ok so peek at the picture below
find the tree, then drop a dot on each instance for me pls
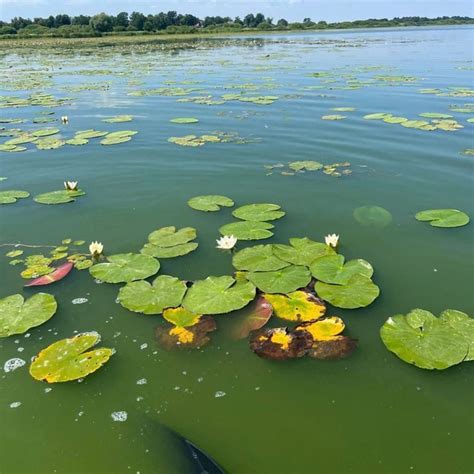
(102, 22)
(259, 18)
(61, 20)
(282, 23)
(121, 19)
(249, 20)
(18, 23)
(307, 20)
(82, 20)
(137, 20)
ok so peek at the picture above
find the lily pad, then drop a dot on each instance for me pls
(324, 328)
(58, 197)
(118, 119)
(248, 230)
(297, 306)
(11, 196)
(285, 280)
(254, 317)
(184, 120)
(281, 343)
(464, 325)
(169, 236)
(192, 337)
(373, 216)
(421, 339)
(87, 134)
(258, 212)
(77, 141)
(181, 317)
(259, 258)
(360, 291)
(142, 297)
(443, 217)
(18, 316)
(305, 165)
(67, 360)
(217, 295)
(210, 203)
(331, 269)
(114, 141)
(302, 251)
(168, 252)
(125, 267)
(45, 132)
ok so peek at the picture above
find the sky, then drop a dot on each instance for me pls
(293, 10)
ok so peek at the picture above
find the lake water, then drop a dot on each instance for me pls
(369, 413)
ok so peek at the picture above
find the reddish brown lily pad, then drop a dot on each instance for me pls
(255, 317)
(337, 347)
(52, 277)
(281, 343)
(172, 337)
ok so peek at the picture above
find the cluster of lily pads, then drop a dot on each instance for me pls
(438, 121)
(335, 170)
(60, 196)
(46, 139)
(215, 137)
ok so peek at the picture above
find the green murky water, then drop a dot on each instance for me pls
(370, 413)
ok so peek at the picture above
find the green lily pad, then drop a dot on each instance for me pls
(14, 253)
(360, 291)
(331, 269)
(333, 117)
(377, 116)
(45, 132)
(248, 230)
(464, 325)
(258, 212)
(49, 143)
(285, 280)
(302, 251)
(184, 120)
(18, 316)
(421, 339)
(77, 141)
(443, 217)
(217, 295)
(11, 196)
(67, 360)
(125, 267)
(210, 203)
(142, 297)
(168, 252)
(58, 197)
(181, 317)
(435, 115)
(114, 141)
(120, 134)
(6, 147)
(118, 119)
(169, 236)
(305, 165)
(87, 134)
(259, 258)
(373, 216)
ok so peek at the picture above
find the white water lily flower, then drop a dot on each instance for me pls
(332, 240)
(96, 248)
(64, 119)
(70, 185)
(227, 242)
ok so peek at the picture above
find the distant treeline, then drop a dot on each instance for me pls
(172, 22)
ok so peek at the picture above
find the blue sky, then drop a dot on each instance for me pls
(331, 10)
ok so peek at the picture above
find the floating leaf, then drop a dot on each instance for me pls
(323, 329)
(142, 297)
(209, 203)
(14, 253)
(464, 325)
(281, 281)
(169, 236)
(184, 120)
(67, 360)
(77, 141)
(181, 317)
(443, 217)
(11, 196)
(258, 212)
(421, 339)
(280, 343)
(331, 269)
(18, 316)
(435, 115)
(168, 252)
(58, 197)
(256, 315)
(333, 117)
(191, 337)
(302, 251)
(125, 267)
(360, 291)
(259, 258)
(114, 141)
(87, 134)
(217, 295)
(305, 165)
(248, 230)
(118, 119)
(52, 277)
(297, 306)
(373, 216)
(44, 132)
(83, 264)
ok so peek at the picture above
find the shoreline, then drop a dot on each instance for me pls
(115, 39)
